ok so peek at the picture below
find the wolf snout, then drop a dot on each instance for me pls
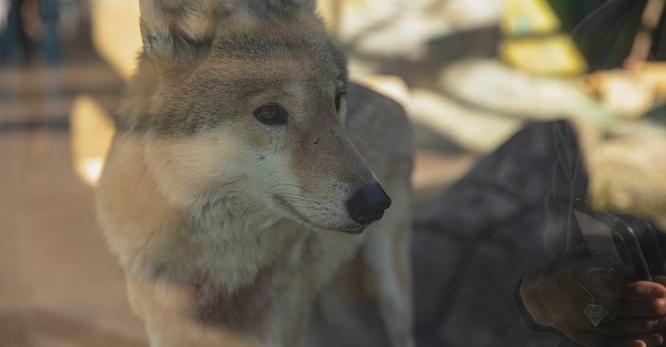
(368, 203)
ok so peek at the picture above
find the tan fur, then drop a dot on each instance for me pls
(226, 228)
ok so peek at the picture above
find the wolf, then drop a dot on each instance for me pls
(246, 170)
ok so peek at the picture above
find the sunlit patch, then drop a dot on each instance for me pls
(528, 17)
(118, 44)
(92, 131)
(630, 92)
(534, 42)
(89, 169)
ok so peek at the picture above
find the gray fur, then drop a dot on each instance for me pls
(185, 116)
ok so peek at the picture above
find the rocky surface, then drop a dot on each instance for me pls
(472, 246)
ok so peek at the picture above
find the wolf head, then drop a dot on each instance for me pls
(247, 97)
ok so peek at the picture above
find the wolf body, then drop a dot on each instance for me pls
(246, 170)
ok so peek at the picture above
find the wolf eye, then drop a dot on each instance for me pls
(338, 101)
(271, 114)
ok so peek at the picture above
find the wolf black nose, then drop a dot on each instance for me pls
(368, 204)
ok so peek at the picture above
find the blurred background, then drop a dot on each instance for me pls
(472, 74)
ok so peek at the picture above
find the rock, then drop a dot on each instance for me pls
(490, 85)
(473, 244)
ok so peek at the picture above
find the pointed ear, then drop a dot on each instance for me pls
(179, 31)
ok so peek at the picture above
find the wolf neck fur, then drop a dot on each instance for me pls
(222, 238)
(236, 240)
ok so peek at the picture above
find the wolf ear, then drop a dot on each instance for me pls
(179, 31)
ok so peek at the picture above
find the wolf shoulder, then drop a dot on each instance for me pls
(381, 131)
